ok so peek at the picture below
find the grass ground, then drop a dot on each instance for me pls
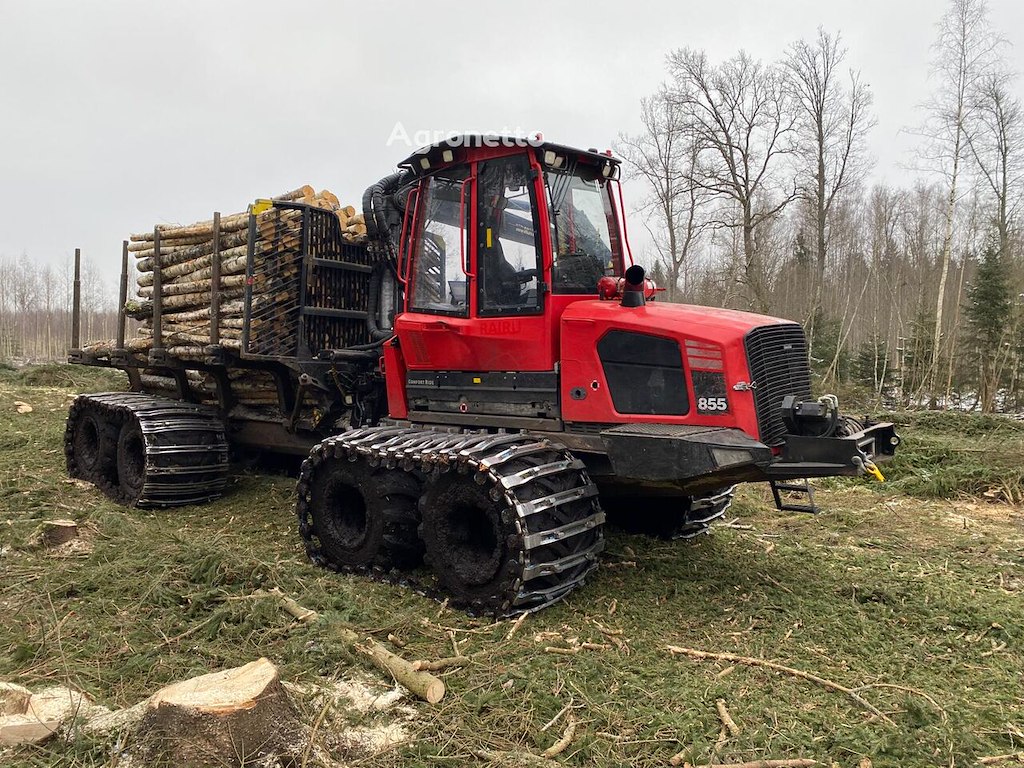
(913, 600)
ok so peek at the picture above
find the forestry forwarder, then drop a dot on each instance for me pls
(468, 382)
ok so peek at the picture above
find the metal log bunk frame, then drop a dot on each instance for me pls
(305, 367)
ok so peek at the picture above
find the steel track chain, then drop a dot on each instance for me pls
(185, 448)
(484, 458)
(703, 511)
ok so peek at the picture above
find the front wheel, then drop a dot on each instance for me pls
(513, 529)
(472, 551)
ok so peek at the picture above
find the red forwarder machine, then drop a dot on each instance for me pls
(469, 384)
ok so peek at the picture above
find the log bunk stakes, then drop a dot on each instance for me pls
(244, 311)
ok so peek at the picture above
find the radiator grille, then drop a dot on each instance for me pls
(777, 355)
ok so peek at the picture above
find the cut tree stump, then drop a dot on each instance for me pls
(232, 718)
(14, 699)
(53, 533)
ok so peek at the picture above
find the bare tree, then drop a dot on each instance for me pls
(742, 121)
(834, 118)
(664, 155)
(995, 138)
(963, 55)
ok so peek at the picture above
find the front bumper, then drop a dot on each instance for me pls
(698, 458)
(830, 456)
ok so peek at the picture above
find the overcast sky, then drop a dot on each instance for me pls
(115, 116)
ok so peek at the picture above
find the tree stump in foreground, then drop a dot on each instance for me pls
(53, 533)
(229, 718)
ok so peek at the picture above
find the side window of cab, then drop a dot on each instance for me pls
(439, 283)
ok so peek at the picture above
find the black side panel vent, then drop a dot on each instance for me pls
(777, 355)
(644, 373)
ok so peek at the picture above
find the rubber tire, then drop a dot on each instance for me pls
(88, 446)
(364, 518)
(468, 544)
(131, 461)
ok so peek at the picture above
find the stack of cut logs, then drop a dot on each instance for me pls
(186, 272)
(253, 388)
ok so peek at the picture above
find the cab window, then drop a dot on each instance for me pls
(584, 241)
(439, 279)
(508, 248)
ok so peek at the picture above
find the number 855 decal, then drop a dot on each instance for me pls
(712, 404)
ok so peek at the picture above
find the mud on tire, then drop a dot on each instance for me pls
(471, 545)
(516, 537)
(509, 522)
(355, 517)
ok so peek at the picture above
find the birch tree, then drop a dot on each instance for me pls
(834, 117)
(963, 55)
(995, 138)
(743, 124)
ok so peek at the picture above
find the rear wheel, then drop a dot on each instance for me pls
(91, 444)
(131, 461)
(86, 444)
(363, 518)
(144, 450)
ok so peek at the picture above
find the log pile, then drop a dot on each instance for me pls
(186, 272)
(249, 387)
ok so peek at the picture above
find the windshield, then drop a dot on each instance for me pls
(584, 233)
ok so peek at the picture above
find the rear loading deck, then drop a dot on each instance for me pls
(280, 345)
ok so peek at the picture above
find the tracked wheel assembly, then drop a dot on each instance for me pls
(147, 451)
(506, 523)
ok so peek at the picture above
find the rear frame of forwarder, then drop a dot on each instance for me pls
(467, 385)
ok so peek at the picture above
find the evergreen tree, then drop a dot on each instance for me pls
(658, 277)
(989, 317)
(916, 356)
(870, 368)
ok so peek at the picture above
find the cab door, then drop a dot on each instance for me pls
(476, 291)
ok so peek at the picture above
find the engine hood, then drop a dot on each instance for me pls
(708, 323)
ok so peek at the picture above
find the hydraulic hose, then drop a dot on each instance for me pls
(377, 334)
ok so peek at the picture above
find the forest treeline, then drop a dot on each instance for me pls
(759, 198)
(35, 309)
